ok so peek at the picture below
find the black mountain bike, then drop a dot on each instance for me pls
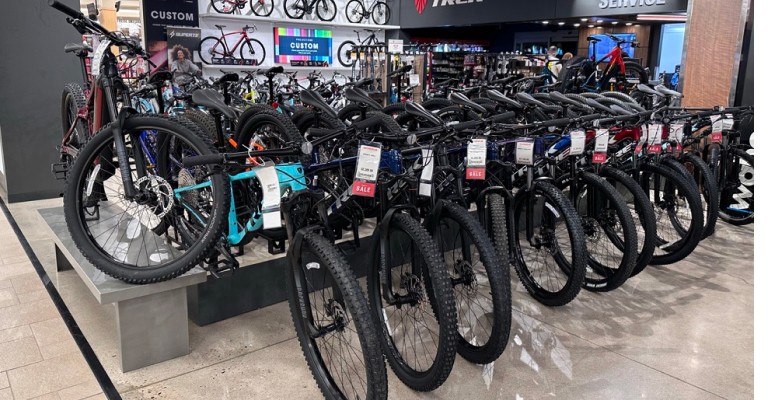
(379, 12)
(261, 8)
(296, 9)
(350, 52)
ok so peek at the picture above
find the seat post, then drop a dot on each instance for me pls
(219, 131)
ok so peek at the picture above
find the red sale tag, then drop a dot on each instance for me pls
(475, 173)
(716, 137)
(639, 148)
(678, 148)
(365, 189)
(654, 149)
(599, 158)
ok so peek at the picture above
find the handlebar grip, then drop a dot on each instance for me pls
(208, 159)
(320, 132)
(556, 122)
(367, 123)
(466, 125)
(590, 117)
(66, 9)
(503, 117)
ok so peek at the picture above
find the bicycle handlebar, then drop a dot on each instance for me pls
(66, 9)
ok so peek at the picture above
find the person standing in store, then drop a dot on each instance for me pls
(553, 63)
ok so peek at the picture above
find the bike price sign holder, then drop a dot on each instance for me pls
(578, 142)
(600, 154)
(477, 151)
(677, 133)
(654, 138)
(367, 169)
(427, 171)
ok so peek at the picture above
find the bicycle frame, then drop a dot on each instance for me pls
(227, 52)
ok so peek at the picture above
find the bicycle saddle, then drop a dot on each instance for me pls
(315, 100)
(212, 100)
(666, 91)
(593, 39)
(220, 26)
(528, 99)
(648, 90)
(160, 77)
(598, 106)
(274, 71)
(561, 98)
(621, 110)
(359, 96)
(77, 48)
(400, 70)
(229, 77)
(362, 82)
(541, 97)
(417, 110)
(462, 100)
(499, 97)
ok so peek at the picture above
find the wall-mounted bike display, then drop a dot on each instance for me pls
(261, 8)
(297, 9)
(246, 51)
(378, 11)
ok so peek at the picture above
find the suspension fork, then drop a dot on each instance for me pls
(529, 207)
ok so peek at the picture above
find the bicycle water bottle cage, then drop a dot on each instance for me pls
(315, 100)
(462, 100)
(360, 97)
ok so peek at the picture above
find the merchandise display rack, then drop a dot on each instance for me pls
(273, 20)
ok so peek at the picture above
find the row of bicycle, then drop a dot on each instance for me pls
(569, 191)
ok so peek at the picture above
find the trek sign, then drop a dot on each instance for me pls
(421, 4)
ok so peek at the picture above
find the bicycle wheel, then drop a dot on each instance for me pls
(161, 233)
(354, 11)
(294, 8)
(252, 52)
(642, 213)
(496, 226)
(481, 284)
(634, 74)
(262, 8)
(551, 262)
(609, 230)
(416, 312)
(224, 6)
(737, 200)
(380, 13)
(334, 325)
(678, 212)
(206, 122)
(210, 48)
(705, 182)
(326, 10)
(72, 101)
(268, 129)
(345, 54)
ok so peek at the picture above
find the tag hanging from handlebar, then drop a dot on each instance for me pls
(524, 152)
(717, 129)
(477, 151)
(654, 138)
(601, 146)
(367, 169)
(578, 142)
(425, 181)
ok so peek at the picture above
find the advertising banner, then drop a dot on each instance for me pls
(159, 14)
(303, 46)
(182, 54)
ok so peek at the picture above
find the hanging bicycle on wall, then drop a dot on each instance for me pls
(379, 12)
(216, 51)
(261, 8)
(297, 9)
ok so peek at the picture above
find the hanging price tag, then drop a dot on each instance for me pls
(98, 55)
(270, 203)
(367, 170)
(425, 181)
(728, 122)
(655, 132)
(476, 155)
(677, 132)
(601, 146)
(717, 129)
(578, 142)
(524, 153)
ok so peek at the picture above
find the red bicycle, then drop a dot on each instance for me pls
(584, 75)
(216, 50)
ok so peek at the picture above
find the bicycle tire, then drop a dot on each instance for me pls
(437, 104)
(206, 122)
(642, 213)
(471, 299)
(394, 110)
(678, 167)
(674, 183)
(705, 182)
(331, 9)
(253, 48)
(98, 150)
(208, 46)
(381, 8)
(435, 280)
(283, 135)
(220, 9)
(294, 11)
(745, 185)
(496, 226)
(561, 208)
(72, 101)
(344, 54)
(350, 11)
(609, 270)
(265, 10)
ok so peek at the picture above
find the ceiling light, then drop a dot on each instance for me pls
(629, 24)
(662, 17)
(584, 19)
(590, 26)
(576, 25)
(544, 22)
(599, 21)
(599, 27)
(614, 22)
(561, 23)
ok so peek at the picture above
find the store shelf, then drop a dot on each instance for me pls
(285, 21)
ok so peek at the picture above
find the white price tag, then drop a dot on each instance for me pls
(524, 153)
(414, 80)
(717, 124)
(98, 55)
(676, 132)
(367, 170)
(728, 122)
(643, 134)
(477, 151)
(425, 182)
(270, 203)
(655, 132)
(601, 141)
(395, 46)
(578, 142)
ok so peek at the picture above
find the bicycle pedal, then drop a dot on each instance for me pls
(60, 170)
(222, 263)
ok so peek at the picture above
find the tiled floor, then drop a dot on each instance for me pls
(683, 332)
(38, 357)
